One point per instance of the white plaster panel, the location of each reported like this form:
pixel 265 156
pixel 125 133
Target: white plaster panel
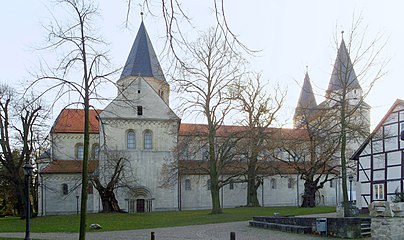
pixel 365 161
pixel 393 117
pixel 392 186
pixel 391 144
pixel 378 161
pixel 394 158
pixel 364 175
pixel 365 188
pixel 378 175
pixel 377 146
pixel 394 172
pixel 391 130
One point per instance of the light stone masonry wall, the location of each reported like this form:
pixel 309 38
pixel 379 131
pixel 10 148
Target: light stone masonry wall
pixel 53 200
pixel 387 228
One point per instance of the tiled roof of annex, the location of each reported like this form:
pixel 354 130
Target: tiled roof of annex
pixel 187 129
pixel 72 121
pixel 69 166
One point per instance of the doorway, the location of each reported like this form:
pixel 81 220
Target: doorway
pixel 140 205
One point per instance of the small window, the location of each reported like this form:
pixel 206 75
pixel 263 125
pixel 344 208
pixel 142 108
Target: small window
pixel 273 183
pixel 187 185
pixel 290 182
pixel 131 139
pixel 332 185
pixel 65 189
pixel 96 152
pixel 139 110
pixel 208 184
pixel 205 153
pixel 231 185
pixel 79 151
pixel 90 189
pixel 378 191
pixel 148 139
pixel 138 91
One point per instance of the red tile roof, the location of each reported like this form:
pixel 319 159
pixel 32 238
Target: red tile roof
pixel 72 121
pixel 69 166
pixel 187 129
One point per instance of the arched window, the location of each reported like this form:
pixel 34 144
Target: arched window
pixel 290 182
pixel 65 189
pixel 131 140
pixel 273 183
pixel 79 151
pixel 96 151
pixel 231 185
pixel 187 184
pixel 148 139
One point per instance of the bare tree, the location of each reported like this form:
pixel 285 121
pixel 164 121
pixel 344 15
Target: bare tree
pixel 115 174
pixel 312 152
pixel 211 68
pixel 20 120
pixel 258 110
pixel 77 37
pixel 357 62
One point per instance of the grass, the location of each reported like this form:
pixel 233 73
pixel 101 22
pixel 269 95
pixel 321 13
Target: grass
pixel 121 221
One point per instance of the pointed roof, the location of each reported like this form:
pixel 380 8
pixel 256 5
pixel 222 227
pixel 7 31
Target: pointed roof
pixel 306 98
pixel 343 74
pixel 142 60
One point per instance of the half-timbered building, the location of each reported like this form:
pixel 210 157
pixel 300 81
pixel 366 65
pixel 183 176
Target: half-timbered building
pixel 380 159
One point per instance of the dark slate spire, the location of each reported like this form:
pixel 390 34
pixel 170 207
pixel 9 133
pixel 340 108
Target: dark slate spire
pixel 307 101
pixel 343 74
pixel 142 60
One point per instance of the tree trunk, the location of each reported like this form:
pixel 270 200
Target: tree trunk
pixel 309 196
pixel 109 202
pixel 215 195
pixel 252 186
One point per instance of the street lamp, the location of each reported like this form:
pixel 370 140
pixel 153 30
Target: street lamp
pixel 28 171
pixel 350 188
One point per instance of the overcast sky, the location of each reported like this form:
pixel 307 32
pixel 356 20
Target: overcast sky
pixel 290 34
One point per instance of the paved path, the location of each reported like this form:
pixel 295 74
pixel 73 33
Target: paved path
pixel 220 231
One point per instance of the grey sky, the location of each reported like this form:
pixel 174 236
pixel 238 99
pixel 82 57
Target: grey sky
pixel 291 35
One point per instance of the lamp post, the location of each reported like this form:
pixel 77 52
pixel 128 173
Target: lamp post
pixel 28 170
pixel 350 193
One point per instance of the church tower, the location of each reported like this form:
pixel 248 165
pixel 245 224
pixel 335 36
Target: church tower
pixel 140 126
pixel 142 62
pixel 306 103
pixel 344 80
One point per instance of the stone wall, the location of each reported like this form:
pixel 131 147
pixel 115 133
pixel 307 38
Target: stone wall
pixel 387 228
pixel 387 220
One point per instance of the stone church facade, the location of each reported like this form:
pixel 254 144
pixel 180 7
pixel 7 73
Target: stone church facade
pixel 139 126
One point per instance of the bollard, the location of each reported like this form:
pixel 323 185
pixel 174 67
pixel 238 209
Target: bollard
pixel 152 236
pixel 232 236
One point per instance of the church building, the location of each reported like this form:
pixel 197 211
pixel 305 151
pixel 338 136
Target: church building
pixel 140 127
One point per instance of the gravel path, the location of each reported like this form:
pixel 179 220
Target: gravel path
pixel 220 231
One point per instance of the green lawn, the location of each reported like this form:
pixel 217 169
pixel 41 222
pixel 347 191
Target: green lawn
pixel 121 221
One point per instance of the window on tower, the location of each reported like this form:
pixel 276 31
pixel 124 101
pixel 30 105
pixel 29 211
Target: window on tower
pixel 139 110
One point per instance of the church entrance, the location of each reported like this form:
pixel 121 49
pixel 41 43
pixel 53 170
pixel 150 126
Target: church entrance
pixel 139 200
pixel 140 206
